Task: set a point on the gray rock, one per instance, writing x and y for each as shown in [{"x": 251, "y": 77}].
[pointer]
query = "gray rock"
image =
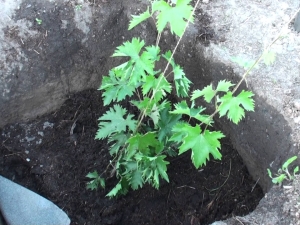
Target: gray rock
[
  {"x": 21, "y": 206},
  {"x": 297, "y": 22}
]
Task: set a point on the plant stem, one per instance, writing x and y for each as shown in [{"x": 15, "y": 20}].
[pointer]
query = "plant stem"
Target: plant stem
[
  {"x": 262, "y": 55},
  {"x": 255, "y": 63},
  {"x": 167, "y": 66}
]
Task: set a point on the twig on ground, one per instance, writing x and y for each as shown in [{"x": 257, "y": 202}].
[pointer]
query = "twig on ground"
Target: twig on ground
[
  {"x": 224, "y": 181},
  {"x": 186, "y": 186},
  {"x": 237, "y": 219},
  {"x": 255, "y": 184},
  {"x": 11, "y": 151}
]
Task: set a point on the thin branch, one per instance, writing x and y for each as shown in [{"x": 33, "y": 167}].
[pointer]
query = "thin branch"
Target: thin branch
[
  {"x": 174, "y": 51},
  {"x": 266, "y": 50},
  {"x": 224, "y": 181},
  {"x": 166, "y": 68},
  {"x": 255, "y": 63}
]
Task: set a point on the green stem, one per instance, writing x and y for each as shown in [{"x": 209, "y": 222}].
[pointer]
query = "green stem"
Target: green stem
[
  {"x": 262, "y": 55},
  {"x": 255, "y": 63},
  {"x": 167, "y": 66}
]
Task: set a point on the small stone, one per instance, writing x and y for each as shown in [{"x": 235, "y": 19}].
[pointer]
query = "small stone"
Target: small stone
[
  {"x": 297, "y": 120},
  {"x": 297, "y": 23},
  {"x": 289, "y": 111},
  {"x": 219, "y": 223},
  {"x": 297, "y": 104},
  {"x": 205, "y": 1},
  {"x": 47, "y": 124}
]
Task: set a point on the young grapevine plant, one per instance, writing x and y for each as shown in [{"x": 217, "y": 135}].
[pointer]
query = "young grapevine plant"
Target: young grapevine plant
[{"x": 140, "y": 144}]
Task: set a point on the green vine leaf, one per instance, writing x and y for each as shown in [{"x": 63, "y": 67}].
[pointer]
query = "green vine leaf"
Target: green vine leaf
[
  {"x": 116, "y": 86},
  {"x": 230, "y": 105},
  {"x": 155, "y": 112},
  {"x": 135, "y": 179},
  {"x": 161, "y": 166},
  {"x": 201, "y": 143},
  {"x": 208, "y": 92},
  {"x": 120, "y": 189},
  {"x": 247, "y": 64},
  {"x": 118, "y": 141},
  {"x": 144, "y": 144},
  {"x": 150, "y": 107},
  {"x": 183, "y": 108},
  {"x": 159, "y": 85},
  {"x": 182, "y": 83},
  {"x": 114, "y": 192},
  {"x": 138, "y": 19},
  {"x": 269, "y": 57},
  {"x": 223, "y": 86},
  {"x": 155, "y": 167},
  {"x": 141, "y": 64},
  {"x": 149, "y": 84},
  {"x": 154, "y": 115},
  {"x": 95, "y": 182},
  {"x": 182, "y": 10},
  {"x": 116, "y": 122},
  {"x": 131, "y": 49},
  {"x": 161, "y": 88},
  {"x": 145, "y": 104},
  {"x": 166, "y": 123},
  {"x": 153, "y": 52}
]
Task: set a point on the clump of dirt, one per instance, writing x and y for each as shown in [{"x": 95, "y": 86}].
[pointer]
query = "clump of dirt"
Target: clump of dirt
[{"x": 43, "y": 156}]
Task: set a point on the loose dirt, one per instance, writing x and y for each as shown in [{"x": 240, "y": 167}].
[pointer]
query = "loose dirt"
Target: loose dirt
[{"x": 44, "y": 157}]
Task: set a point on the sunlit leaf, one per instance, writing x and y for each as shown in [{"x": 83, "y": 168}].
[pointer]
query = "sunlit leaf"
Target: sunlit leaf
[
  {"x": 201, "y": 143},
  {"x": 138, "y": 19},
  {"x": 182, "y": 10},
  {"x": 231, "y": 106},
  {"x": 269, "y": 57},
  {"x": 113, "y": 121}
]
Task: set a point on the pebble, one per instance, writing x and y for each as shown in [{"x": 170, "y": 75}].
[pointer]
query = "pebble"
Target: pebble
[
  {"x": 297, "y": 120},
  {"x": 297, "y": 104},
  {"x": 219, "y": 223}
]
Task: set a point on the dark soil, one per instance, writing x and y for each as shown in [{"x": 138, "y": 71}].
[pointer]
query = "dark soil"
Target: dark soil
[{"x": 42, "y": 156}]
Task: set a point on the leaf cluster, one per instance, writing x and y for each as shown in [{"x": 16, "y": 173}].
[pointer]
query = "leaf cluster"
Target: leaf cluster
[
  {"x": 175, "y": 15},
  {"x": 141, "y": 145},
  {"x": 283, "y": 173}
]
